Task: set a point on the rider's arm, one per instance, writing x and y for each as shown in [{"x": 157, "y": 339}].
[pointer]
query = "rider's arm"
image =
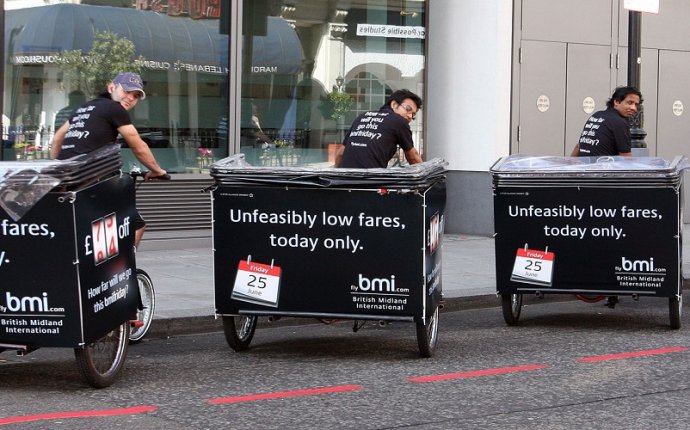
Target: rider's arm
[
  {"x": 339, "y": 155},
  {"x": 58, "y": 138},
  {"x": 413, "y": 156},
  {"x": 141, "y": 150},
  {"x": 576, "y": 151}
]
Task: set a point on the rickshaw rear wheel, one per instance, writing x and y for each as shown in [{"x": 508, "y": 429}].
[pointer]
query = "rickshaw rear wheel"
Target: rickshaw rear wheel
[
  {"x": 512, "y": 307},
  {"x": 239, "y": 330},
  {"x": 427, "y": 335},
  {"x": 148, "y": 300},
  {"x": 100, "y": 362},
  {"x": 675, "y": 310}
]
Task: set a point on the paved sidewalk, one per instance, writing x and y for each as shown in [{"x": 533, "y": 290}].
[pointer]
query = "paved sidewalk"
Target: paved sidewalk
[{"x": 183, "y": 277}]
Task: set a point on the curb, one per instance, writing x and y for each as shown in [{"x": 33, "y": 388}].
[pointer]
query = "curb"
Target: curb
[
  {"x": 179, "y": 326},
  {"x": 164, "y": 328}
]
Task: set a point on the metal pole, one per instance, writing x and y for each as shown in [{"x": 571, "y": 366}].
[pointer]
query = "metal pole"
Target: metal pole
[
  {"x": 2, "y": 81},
  {"x": 634, "y": 66}
]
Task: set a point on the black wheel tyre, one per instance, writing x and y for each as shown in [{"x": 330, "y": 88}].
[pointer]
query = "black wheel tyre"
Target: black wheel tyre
[
  {"x": 145, "y": 315},
  {"x": 427, "y": 335},
  {"x": 512, "y": 306},
  {"x": 675, "y": 310},
  {"x": 100, "y": 362},
  {"x": 239, "y": 330}
]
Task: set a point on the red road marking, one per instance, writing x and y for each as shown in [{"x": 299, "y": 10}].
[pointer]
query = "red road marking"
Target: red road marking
[
  {"x": 631, "y": 354},
  {"x": 476, "y": 373},
  {"x": 77, "y": 414},
  {"x": 283, "y": 394},
  {"x": 326, "y": 390}
]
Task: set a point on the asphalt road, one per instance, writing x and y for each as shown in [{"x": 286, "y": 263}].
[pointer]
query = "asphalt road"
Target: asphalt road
[{"x": 567, "y": 365}]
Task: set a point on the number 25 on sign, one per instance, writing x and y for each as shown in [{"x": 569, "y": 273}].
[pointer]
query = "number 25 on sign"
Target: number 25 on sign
[
  {"x": 533, "y": 266},
  {"x": 257, "y": 283}
]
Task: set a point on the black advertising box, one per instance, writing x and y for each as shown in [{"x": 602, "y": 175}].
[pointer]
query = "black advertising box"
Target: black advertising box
[
  {"x": 369, "y": 253},
  {"x": 67, "y": 266},
  {"x": 584, "y": 227}
]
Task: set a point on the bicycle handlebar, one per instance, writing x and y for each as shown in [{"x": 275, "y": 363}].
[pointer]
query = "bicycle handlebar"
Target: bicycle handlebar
[{"x": 142, "y": 174}]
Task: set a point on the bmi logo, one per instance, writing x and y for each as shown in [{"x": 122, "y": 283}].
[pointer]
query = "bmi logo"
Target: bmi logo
[
  {"x": 374, "y": 285},
  {"x": 637, "y": 265},
  {"x": 26, "y": 304}
]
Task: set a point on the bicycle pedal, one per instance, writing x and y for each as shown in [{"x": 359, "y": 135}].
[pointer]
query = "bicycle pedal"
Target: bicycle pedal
[{"x": 136, "y": 323}]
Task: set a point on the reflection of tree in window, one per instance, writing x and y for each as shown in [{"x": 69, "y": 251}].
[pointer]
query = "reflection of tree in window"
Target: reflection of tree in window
[{"x": 368, "y": 91}]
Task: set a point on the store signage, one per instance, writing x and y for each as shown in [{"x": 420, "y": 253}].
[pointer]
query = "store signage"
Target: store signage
[
  {"x": 398, "y": 31},
  {"x": 34, "y": 59},
  {"x": 649, "y": 6},
  {"x": 176, "y": 66},
  {"x": 194, "y": 8},
  {"x": 179, "y": 66}
]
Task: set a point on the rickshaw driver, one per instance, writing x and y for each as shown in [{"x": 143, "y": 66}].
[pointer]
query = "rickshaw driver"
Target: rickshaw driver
[
  {"x": 99, "y": 121},
  {"x": 374, "y": 136}
]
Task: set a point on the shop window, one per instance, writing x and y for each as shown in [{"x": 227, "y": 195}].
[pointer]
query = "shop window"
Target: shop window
[
  {"x": 368, "y": 92},
  {"x": 294, "y": 58},
  {"x": 180, "y": 53}
]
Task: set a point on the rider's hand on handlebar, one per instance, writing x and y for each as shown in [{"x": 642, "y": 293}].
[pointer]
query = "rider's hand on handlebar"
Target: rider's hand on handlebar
[{"x": 162, "y": 174}]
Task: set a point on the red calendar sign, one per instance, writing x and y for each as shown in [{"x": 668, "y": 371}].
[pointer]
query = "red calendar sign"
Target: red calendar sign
[
  {"x": 257, "y": 283},
  {"x": 533, "y": 266}
]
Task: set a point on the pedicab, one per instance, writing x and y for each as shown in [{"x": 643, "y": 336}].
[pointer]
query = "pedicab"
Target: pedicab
[
  {"x": 331, "y": 244},
  {"x": 595, "y": 227},
  {"x": 67, "y": 260}
]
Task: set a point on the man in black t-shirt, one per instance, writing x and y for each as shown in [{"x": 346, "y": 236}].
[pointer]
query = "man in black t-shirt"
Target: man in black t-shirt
[
  {"x": 375, "y": 136},
  {"x": 607, "y": 132},
  {"x": 98, "y": 123}
]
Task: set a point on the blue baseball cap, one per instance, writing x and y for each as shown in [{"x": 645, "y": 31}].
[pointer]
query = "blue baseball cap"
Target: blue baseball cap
[{"x": 130, "y": 82}]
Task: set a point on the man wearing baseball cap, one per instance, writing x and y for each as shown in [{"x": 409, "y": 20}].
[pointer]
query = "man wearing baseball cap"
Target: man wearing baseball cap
[{"x": 98, "y": 123}]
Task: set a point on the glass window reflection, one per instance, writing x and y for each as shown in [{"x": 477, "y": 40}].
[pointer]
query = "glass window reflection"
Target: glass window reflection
[
  {"x": 310, "y": 67},
  {"x": 178, "y": 50}
]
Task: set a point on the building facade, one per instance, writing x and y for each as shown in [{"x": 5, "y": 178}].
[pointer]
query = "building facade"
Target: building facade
[{"x": 280, "y": 80}]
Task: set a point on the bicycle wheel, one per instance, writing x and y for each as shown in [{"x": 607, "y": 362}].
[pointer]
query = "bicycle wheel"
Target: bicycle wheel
[
  {"x": 100, "y": 362},
  {"x": 239, "y": 330},
  {"x": 427, "y": 335},
  {"x": 512, "y": 306},
  {"x": 148, "y": 300}
]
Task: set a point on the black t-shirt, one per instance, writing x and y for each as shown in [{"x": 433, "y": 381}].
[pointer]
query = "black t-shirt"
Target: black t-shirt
[
  {"x": 605, "y": 133},
  {"x": 63, "y": 115},
  {"x": 374, "y": 137},
  {"x": 93, "y": 125}
]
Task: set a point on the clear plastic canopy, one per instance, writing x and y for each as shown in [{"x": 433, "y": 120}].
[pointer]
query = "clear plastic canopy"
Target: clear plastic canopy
[
  {"x": 235, "y": 170},
  {"x": 609, "y": 171},
  {"x": 24, "y": 183},
  {"x": 606, "y": 164}
]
